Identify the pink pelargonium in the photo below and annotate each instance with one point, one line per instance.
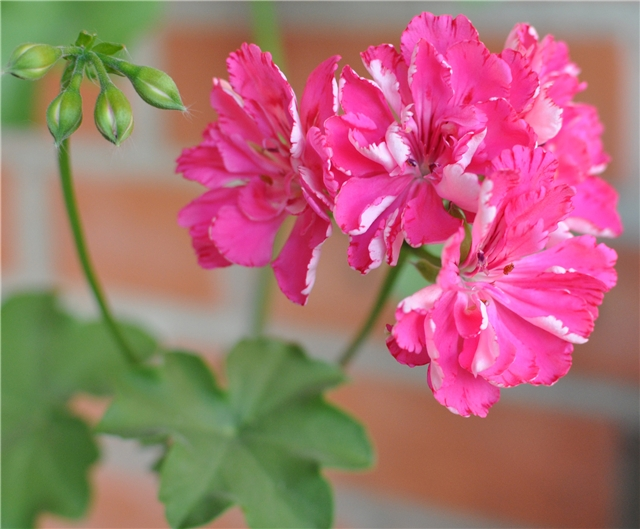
(571, 130)
(434, 117)
(263, 161)
(510, 311)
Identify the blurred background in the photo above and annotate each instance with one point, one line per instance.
(565, 456)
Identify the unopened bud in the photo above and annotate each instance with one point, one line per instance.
(64, 114)
(32, 61)
(153, 86)
(113, 115)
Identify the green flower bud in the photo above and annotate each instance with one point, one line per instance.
(64, 114)
(153, 86)
(32, 61)
(113, 115)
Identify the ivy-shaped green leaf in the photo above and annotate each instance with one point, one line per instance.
(47, 356)
(259, 444)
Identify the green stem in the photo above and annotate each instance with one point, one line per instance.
(64, 165)
(383, 295)
(261, 301)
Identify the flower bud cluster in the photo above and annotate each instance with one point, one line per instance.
(112, 114)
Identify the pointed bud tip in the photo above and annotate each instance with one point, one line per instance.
(32, 61)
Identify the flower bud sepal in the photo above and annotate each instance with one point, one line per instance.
(32, 61)
(64, 114)
(154, 86)
(113, 115)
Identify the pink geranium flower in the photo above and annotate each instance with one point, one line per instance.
(572, 131)
(263, 161)
(510, 310)
(434, 116)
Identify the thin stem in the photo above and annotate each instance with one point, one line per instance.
(64, 165)
(261, 301)
(378, 305)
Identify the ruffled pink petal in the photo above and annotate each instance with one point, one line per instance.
(242, 240)
(578, 254)
(545, 117)
(233, 119)
(524, 81)
(476, 74)
(264, 89)
(204, 164)
(430, 83)
(342, 146)
(452, 385)
(367, 251)
(595, 209)
(361, 201)
(198, 216)
(440, 31)
(390, 72)
(295, 266)
(361, 96)
(504, 131)
(320, 97)
(261, 201)
(424, 218)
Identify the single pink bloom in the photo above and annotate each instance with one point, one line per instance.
(510, 311)
(433, 118)
(547, 81)
(263, 161)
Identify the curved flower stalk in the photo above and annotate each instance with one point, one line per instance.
(263, 161)
(510, 310)
(571, 130)
(434, 117)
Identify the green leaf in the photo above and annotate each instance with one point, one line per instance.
(86, 39)
(259, 444)
(47, 356)
(108, 48)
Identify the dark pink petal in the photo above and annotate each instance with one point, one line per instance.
(260, 201)
(476, 74)
(295, 267)
(452, 385)
(361, 201)
(361, 96)
(344, 154)
(430, 83)
(469, 314)
(320, 97)
(551, 355)
(578, 254)
(504, 131)
(425, 220)
(243, 241)
(440, 31)
(204, 164)
(266, 93)
(367, 251)
(595, 209)
(233, 119)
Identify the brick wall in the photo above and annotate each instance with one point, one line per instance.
(553, 457)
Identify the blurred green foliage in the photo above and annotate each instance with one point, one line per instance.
(58, 23)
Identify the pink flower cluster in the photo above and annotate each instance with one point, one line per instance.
(445, 143)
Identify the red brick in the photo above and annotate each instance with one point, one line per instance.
(134, 238)
(522, 466)
(340, 299)
(612, 350)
